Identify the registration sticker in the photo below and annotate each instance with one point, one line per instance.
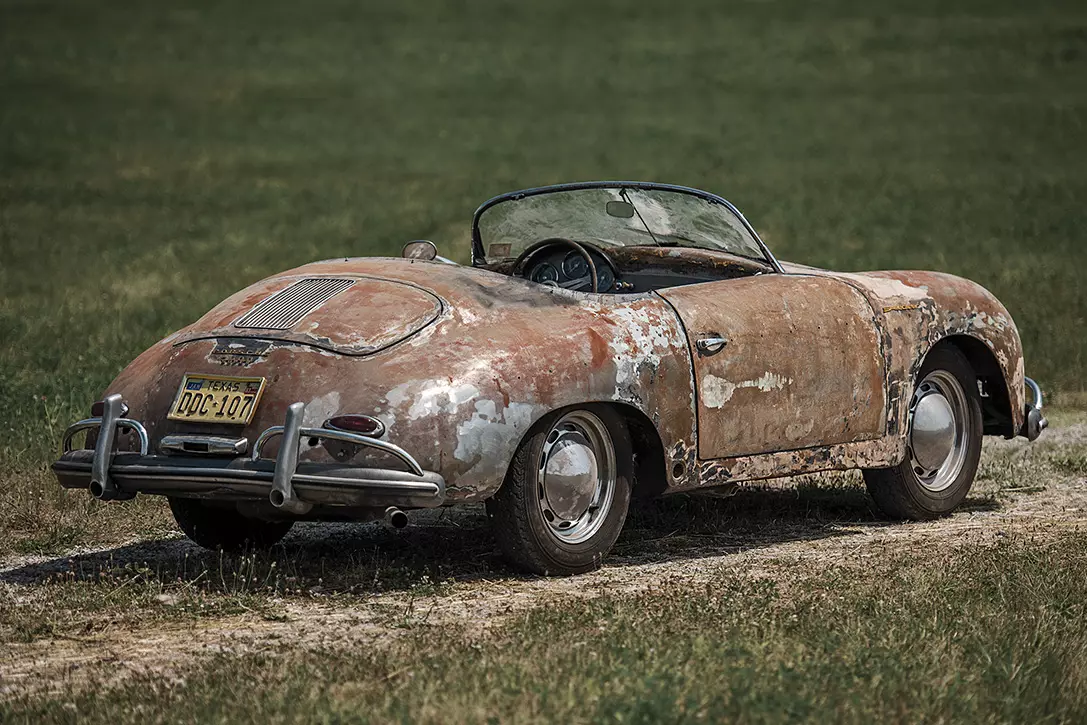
(216, 399)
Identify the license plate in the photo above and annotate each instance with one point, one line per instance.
(216, 399)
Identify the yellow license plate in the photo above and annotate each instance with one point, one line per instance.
(216, 399)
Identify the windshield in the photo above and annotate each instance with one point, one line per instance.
(613, 216)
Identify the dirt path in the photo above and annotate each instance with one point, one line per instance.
(780, 531)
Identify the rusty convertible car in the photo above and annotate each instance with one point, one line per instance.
(609, 338)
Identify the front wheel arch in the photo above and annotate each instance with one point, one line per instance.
(998, 416)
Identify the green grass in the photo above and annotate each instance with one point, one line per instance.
(981, 634)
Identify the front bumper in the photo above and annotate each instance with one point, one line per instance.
(288, 485)
(1033, 421)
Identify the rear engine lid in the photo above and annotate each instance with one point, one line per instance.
(346, 314)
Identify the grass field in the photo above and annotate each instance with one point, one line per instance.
(154, 159)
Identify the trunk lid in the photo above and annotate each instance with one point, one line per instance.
(349, 314)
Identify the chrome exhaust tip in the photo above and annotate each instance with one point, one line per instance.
(395, 518)
(289, 504)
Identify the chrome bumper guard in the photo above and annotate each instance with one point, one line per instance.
(289, 485)
(1034, 422)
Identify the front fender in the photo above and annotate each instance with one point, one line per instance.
(919, 310)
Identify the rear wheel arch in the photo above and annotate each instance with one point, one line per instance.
(645, 444)
(650, 474)
(997, 417)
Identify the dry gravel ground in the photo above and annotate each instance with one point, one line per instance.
(785, 531)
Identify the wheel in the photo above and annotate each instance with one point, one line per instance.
(566, 493)
(943, 443)
(224, 528)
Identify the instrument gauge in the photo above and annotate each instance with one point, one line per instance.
(605, 278)
(574, 266)
(545, 273)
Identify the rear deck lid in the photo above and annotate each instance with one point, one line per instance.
(348, 314)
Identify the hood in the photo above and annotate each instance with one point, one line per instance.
(347, 312)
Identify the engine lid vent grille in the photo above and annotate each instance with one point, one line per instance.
(286, 308)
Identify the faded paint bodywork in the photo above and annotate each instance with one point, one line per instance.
(459, 363)
(459, 394)
(916, 310)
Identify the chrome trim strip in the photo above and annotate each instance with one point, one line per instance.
(100, 468)
(167, 475)
(88, 423)
(213, 445)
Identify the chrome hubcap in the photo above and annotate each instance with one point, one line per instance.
(576, 475)
(937, 441)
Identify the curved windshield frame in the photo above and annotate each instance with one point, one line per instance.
(663, 215)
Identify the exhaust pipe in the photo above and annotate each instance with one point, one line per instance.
(395, 518)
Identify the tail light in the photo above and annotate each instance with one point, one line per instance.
(361, 424)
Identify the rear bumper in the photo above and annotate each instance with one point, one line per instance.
(289, 485)
(318, 484)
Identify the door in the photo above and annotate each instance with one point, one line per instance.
(782, 362)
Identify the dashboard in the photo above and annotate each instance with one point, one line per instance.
(561, 266)
(633, 269)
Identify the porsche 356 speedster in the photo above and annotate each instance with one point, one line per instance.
(609, 338)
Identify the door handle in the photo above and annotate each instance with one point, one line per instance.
(710, 345)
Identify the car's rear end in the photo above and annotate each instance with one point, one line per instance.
(271, 401)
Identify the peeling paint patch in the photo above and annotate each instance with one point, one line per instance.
(321, 409)
(431, 397)
(488, 432)
(888, 288)
(718, 391)
(795, 431)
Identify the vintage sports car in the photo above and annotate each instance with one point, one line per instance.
(609, 339)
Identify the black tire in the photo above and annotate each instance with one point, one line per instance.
(523, 533)
(224, 528)
(899, 491)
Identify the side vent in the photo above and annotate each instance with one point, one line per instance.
(286, 308)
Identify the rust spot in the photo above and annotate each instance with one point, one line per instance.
(599, 347)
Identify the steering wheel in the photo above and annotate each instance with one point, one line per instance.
(520, 263)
